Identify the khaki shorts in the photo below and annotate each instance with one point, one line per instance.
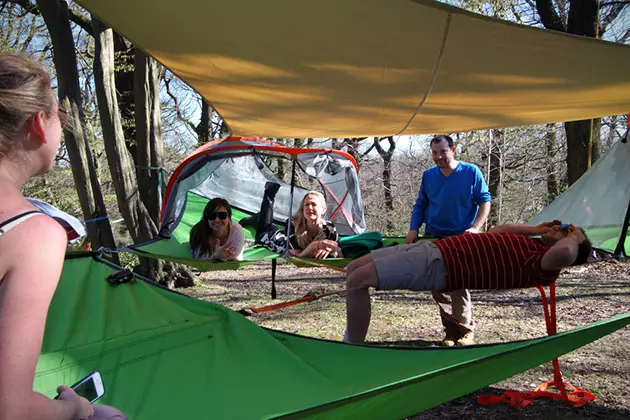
(417, 266)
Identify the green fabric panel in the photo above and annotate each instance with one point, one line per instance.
(356, 246)
(250, 255)
(178, 244)
(177, 247)
(167, 356)
(607, 238)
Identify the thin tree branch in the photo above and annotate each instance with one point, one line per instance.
(75, 17)
(84, 22)
(178, 112)
(611, 3)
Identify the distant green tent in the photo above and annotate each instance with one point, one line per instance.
(599, 202)
(167, 356)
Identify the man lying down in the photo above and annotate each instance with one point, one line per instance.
(507, 257)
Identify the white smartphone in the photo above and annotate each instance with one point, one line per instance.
(91, 387)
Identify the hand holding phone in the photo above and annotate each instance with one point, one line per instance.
(82, 407)
(91, 388)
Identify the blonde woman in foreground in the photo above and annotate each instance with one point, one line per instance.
(32, 245)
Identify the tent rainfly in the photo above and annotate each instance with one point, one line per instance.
(599, 202)
(319, 69)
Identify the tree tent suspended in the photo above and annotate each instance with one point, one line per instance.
(237, 169)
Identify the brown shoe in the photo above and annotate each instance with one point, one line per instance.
(449, 339)
(467, 339)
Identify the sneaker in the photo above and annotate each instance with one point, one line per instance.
(450, 339)
(467, 339)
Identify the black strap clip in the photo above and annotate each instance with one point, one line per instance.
(120, 277)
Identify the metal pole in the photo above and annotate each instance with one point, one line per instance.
(289, 223)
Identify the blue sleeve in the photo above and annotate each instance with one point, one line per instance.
(481, 193)
(420, 208)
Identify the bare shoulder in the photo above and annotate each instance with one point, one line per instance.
(38, 240)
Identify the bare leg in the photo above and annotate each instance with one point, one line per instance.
(359, 262)
(358, 307)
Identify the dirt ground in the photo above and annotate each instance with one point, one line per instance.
(585, 295)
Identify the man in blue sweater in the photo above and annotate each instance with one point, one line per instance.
(453, 199)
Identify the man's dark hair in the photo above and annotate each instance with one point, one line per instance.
(441, 138)
(585, 250)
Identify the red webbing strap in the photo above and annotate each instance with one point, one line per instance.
(309, 297)
(571, 395)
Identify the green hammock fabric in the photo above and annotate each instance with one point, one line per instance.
(167, 356)
(177, 247)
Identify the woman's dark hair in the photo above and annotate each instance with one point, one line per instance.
(443, 137)
(585, 250)
(200, 233)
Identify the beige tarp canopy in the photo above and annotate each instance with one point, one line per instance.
(347, 68)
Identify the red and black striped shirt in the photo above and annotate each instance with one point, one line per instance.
(494, 261)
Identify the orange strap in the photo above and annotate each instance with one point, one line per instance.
(309, 297)
(575, 396)
(571, 395)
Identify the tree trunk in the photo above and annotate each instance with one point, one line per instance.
(583, 20)
(387, 177)
(581, 148)
(136, 216)
(353, 149)
(149, 143)
(282, 164)
(495, 175)
(149, 149)
(552, 178)
(124, 53)
(596, 147)
(56, 17)
(204, 129)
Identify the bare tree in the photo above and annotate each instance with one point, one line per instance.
(552, 179)
(387, 155)
(495, 174)
(137, 218)
(57, 19)
(583, 18)
(148, 129)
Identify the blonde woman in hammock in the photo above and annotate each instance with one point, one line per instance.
(311, 235)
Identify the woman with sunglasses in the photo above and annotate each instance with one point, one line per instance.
(32, 245)
(216, 237)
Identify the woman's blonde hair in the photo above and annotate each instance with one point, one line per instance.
(299, 221)
(24, 91)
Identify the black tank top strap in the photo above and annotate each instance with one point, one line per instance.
(11, 222)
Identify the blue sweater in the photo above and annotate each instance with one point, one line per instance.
(448, 205)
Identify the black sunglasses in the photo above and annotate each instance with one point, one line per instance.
(221, 215)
